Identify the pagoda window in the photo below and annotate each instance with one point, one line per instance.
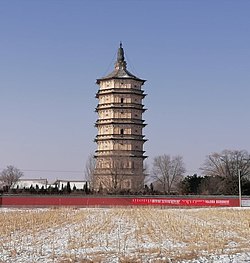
(122, 100)
(122, 131)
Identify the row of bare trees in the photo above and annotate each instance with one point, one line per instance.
(218, 175)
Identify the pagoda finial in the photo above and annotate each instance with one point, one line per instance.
(120, 63)
(120, 54)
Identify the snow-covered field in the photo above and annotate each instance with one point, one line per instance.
(124, 235)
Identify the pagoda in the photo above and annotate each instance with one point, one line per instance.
(119, 155)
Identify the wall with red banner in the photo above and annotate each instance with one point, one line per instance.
(185, 201)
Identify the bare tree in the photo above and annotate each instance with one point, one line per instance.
(115, 170)
(146, 173)
(89, 168)
(113, 175)
(226, 167)
(168, 171)
(228, 163)
(10, 175)
(117, 177)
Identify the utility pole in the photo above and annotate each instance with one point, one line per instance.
(239, 174)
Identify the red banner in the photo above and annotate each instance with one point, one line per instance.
(185, 202)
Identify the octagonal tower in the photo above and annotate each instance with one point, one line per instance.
(119, 155)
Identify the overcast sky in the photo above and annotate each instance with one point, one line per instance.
(195, 56)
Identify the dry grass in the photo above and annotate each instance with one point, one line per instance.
(122, 235)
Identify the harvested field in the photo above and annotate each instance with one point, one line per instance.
(125, 235)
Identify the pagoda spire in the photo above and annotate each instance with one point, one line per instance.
(120, 62)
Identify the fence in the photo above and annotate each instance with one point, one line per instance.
(180, 201)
